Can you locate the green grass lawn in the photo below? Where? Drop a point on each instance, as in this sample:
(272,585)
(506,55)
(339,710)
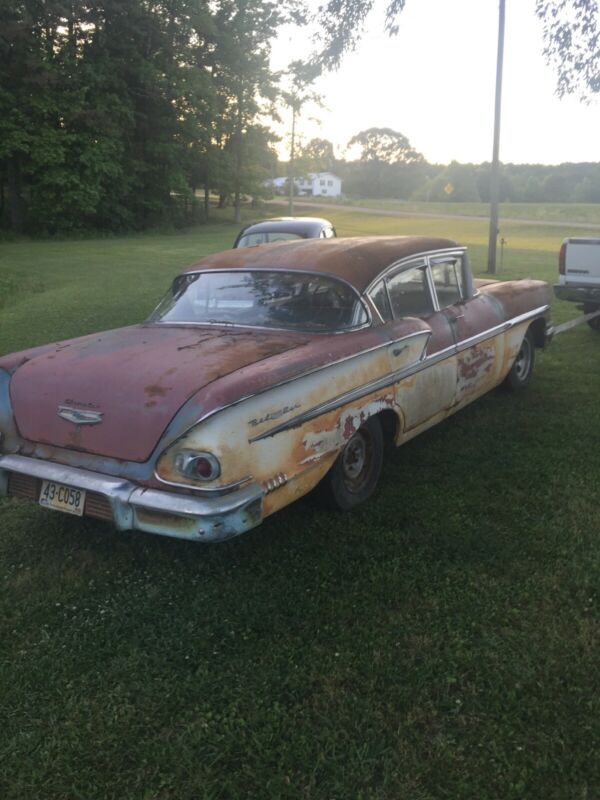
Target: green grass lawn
(439,642)
(586,213)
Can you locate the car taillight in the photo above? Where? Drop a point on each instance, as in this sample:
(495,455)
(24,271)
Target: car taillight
(562,258)
(203,468)
(200,466)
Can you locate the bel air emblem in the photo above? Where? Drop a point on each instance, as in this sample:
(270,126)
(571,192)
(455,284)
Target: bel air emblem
(80,416)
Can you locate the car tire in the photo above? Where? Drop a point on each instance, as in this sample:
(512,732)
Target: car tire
(355,473)
(589,308)
(522,368)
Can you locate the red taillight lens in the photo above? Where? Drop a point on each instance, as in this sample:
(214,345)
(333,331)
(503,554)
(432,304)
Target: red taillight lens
(562,258)
(200,466)
(203,468)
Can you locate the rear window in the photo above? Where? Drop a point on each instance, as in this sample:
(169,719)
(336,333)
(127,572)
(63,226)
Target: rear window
(261,298)
(254,239)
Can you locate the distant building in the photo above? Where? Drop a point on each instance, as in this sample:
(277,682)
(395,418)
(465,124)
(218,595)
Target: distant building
(315,184)
(320,183)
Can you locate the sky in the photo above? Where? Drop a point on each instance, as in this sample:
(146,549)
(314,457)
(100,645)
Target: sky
(435,83)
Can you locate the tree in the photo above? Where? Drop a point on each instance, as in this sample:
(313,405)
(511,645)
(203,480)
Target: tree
(299,93)
(387,165)
(572,44)
(318,155)
(385,145)
(112,113)
(571,33)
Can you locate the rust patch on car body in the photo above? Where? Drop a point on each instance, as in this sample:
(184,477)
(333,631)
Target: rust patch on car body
(357,260)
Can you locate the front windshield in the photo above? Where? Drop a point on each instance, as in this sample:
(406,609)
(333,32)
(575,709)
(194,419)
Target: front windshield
(253,239)
(292,300)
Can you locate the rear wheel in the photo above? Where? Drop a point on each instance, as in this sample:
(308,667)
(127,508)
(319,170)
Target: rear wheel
(355,473)
(589,308)
(520,372)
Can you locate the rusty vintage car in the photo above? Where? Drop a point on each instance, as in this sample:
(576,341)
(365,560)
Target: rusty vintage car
(264,373)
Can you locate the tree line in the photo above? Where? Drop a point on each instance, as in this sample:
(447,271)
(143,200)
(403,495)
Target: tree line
(123,114)
(387,166)
(113,114)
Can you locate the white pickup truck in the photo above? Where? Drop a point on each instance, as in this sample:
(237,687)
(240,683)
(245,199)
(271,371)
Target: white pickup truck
(579,275)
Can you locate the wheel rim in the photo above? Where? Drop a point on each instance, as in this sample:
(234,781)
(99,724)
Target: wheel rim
(357,461)
(523,360)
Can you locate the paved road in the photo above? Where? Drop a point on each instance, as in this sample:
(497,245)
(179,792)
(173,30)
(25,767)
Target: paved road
(392,213)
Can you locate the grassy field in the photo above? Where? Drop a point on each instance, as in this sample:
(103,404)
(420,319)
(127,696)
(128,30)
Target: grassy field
(439,642)
(581,213)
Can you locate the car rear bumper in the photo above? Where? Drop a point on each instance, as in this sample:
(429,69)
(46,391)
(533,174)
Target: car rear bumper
(577,293)
(132,507)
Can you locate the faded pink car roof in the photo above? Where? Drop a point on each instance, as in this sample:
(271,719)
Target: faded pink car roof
(359,259)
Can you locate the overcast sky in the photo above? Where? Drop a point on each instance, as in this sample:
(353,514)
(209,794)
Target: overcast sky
(434,82)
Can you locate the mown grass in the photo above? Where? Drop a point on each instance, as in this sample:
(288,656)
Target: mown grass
(439,642)
(581,213)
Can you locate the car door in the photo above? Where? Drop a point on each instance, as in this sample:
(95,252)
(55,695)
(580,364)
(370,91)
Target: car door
(431,390)
(474,320)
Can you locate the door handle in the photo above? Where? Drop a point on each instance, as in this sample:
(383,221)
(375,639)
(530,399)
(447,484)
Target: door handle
(398,350)
(455,318)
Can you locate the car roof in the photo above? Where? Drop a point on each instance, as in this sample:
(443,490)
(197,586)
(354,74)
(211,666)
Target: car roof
(290,224)
(359,260)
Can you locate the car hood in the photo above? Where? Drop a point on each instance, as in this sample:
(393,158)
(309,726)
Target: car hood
(122,388)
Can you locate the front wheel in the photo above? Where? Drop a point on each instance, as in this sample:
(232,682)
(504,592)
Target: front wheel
(355,473)
(520,372)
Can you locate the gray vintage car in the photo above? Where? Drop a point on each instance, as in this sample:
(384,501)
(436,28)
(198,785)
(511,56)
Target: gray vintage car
(280,229)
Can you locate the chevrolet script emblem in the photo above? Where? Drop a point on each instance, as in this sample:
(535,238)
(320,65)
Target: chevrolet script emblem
(80,416)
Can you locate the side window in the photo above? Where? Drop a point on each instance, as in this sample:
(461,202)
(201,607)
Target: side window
(447,279)
(409,293)
(379,298)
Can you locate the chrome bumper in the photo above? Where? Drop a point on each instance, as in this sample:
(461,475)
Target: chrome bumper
(577,293)
(201,519)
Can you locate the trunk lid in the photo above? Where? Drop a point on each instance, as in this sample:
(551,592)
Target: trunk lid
(122,388)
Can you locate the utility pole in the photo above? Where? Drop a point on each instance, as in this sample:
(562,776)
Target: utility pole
(291,166)
(495,173)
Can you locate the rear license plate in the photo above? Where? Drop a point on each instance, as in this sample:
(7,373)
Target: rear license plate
(62,498)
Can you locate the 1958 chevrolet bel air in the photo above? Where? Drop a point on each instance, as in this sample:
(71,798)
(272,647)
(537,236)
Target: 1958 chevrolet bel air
(263,373)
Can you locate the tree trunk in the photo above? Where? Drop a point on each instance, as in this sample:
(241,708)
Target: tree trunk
(15,204)
(206,201)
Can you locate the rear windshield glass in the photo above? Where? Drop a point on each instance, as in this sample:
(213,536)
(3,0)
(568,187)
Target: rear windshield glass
(252,239)
(296,301)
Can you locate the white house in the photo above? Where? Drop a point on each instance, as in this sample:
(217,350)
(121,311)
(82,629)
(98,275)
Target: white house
(315,184)
(319,184)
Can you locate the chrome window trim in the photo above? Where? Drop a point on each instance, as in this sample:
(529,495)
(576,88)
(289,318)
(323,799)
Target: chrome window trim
(432,290)
(394,377)
(405,263)
(237,326)
(317,274)
(434,261)
(423,264)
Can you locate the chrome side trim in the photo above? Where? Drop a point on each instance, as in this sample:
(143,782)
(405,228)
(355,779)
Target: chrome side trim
(434,358)
(308,372)
(394,377)
(356,394)
(500,328)
(212,490)
(188,506)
